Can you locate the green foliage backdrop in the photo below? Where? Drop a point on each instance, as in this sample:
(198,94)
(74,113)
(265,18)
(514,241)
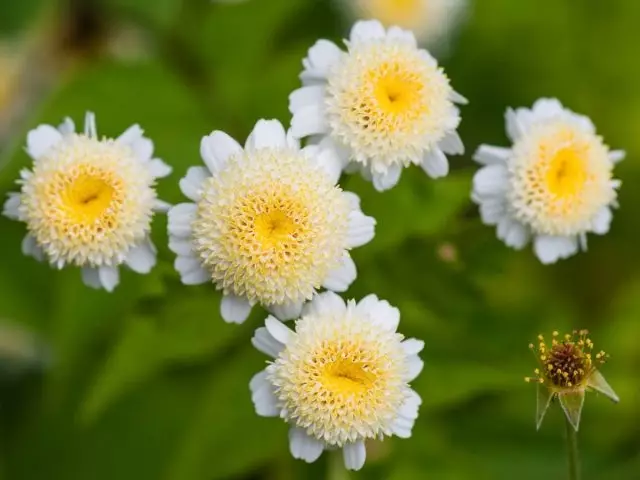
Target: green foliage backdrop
(150,383)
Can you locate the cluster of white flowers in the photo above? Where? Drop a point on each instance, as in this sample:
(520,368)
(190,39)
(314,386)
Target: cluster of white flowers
(266,223)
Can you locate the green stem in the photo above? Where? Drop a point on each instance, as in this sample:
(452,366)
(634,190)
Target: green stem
(573,455)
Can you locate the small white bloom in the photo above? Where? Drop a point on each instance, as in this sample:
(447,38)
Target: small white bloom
(89,202)
(340,378)
(432,21)
(384,104)
(268,224)
(553,186)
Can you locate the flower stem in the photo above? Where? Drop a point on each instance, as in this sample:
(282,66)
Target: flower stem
(573,456)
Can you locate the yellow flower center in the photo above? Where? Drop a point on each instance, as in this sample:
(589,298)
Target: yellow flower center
(396,92)
(347,377)
(566,175)
(276,227)
(88,196)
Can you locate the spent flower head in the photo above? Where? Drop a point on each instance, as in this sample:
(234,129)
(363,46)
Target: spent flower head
(568,367)
(339,378)
(382,105)
(268,224)
(88,202)
(553,186)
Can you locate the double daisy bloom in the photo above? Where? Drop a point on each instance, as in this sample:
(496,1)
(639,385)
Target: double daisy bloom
(266,222)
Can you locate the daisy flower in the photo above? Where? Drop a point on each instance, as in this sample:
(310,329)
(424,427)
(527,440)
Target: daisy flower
(430,20)
(568,369)
(267,224)
(553,186)
(339,378)
(384,104)
(89,202)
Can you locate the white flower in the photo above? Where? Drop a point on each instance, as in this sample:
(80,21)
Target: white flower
(89,202)
(340,378)
(268,224)
(382,105)
(430,20)
(554,185)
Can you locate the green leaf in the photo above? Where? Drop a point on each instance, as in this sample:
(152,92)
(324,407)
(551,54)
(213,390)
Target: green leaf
(599,384)
(543,400)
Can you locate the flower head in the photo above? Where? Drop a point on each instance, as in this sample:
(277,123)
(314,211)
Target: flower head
(554,185)
(382,105)
(431,21)
(340,378)
(89,202)
(268,224)
(568,368)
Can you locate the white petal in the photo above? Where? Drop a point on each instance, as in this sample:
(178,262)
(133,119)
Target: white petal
(262,395)
(361,229)
(180,218)
(91,277)
(161,206)
(327,159)
(550,249)
(452,144)
(90,129)
(365,30)
(67,127)
(617,156)
(234,309)
(412,346)
(267,134)
(493,210)
(31,248)
(325,303)
(41,139)
(216,148)
(513,233)
(287,311)
(264,342)
(131,135)
(278,330)
(109,277)
(515,126)
(457,98)
(385,180)
(192,182)
(141,258)
(488,155)
(602,221)
(292,142)
(406,36)
(321,57)
(343,276)
(159,169)
(190,270)
(546,108)
(309,120)
(305,96)
(11,208)
(304,447)
(143,149)
(435,163)
(491,181)
(380,311)
(415,367)
(181,246)
(354,455)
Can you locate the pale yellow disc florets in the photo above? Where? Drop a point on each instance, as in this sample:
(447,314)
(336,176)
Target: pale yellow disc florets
(270,226)
(342,377)
(389,102)
(87,202)
(561,176)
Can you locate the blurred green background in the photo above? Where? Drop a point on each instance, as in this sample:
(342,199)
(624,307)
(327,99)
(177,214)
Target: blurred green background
(150,383)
